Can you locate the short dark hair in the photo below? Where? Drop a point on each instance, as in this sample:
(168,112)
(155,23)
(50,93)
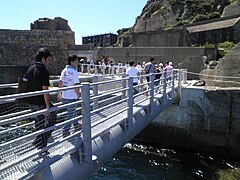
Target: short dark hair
(42,53)
(71,58)
(151,59)
(131,63)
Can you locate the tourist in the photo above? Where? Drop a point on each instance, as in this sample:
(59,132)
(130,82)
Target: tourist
(139,67)
(69,77)
(38,79)
(150,67)
(104,65)
(119,67)
(169,71)
(132,71)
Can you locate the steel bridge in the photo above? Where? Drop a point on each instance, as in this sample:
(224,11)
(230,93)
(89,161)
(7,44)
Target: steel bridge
(111,115)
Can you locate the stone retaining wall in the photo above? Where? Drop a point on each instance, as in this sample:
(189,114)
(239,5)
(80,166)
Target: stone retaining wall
(205,120)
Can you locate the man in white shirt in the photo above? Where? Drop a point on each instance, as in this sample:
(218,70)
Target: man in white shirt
(69,77)
(133,71)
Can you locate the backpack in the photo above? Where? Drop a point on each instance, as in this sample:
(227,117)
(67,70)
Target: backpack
(23,87)
(147,71)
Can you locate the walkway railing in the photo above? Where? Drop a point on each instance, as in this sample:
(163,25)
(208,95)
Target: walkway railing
(100,102)
(101,69)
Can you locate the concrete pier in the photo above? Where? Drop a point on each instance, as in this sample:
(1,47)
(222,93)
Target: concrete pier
(203,120)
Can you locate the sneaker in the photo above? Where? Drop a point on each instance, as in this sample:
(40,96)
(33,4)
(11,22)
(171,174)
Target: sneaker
(66,133)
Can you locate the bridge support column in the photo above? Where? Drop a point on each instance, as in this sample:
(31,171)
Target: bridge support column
(95,92)
(152,78)
(130,104)
(86,124)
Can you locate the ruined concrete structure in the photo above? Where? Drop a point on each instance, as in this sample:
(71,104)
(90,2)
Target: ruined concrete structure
(100,40)
(215,30)
(18,48)
(161,38)
(57,23)
(210,31)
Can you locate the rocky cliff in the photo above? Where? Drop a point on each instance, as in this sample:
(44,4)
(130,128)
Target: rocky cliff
(164,14)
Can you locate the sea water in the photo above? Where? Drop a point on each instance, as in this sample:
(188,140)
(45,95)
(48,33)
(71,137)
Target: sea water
(146,162)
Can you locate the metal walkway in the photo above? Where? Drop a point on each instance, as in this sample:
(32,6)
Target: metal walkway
(104,106)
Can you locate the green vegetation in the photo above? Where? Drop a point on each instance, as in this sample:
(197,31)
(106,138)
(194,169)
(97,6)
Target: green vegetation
(225,46)
(199,10)
(124,32)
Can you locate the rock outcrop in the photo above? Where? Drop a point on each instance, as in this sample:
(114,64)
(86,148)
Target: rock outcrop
(160,14)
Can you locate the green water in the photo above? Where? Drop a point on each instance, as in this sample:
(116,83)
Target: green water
(140,162)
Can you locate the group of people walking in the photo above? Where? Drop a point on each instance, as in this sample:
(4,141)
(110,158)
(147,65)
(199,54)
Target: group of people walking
(148,68)
(38,79)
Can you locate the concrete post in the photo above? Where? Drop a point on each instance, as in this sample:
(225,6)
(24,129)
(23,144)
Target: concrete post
(95,92)
(130,103)
(152,77)
(86,123)
(124,85)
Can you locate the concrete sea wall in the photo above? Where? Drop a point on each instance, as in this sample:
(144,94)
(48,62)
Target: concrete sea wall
(18,47)
(204,120)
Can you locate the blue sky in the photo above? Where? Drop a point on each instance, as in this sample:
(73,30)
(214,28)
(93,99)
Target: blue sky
(85,17)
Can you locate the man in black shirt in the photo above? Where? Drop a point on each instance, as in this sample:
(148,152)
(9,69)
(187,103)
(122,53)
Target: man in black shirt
(38,79)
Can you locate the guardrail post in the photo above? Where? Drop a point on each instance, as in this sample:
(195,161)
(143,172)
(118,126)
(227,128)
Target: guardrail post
(173,80)
(165,88)
(184,75)
(141,81)
(95,69)
(152,77)
(179,81)
(124,85)
(82,68)
(95,92)
(88,68)
(130,104)
(103,68)
(86,123)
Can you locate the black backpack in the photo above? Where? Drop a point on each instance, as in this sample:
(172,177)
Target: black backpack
(23,87)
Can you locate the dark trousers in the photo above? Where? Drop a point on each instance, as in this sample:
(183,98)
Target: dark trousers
(135,91)
(42,122)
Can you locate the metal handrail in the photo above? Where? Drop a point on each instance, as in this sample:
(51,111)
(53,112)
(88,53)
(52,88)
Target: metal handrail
(14,117)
